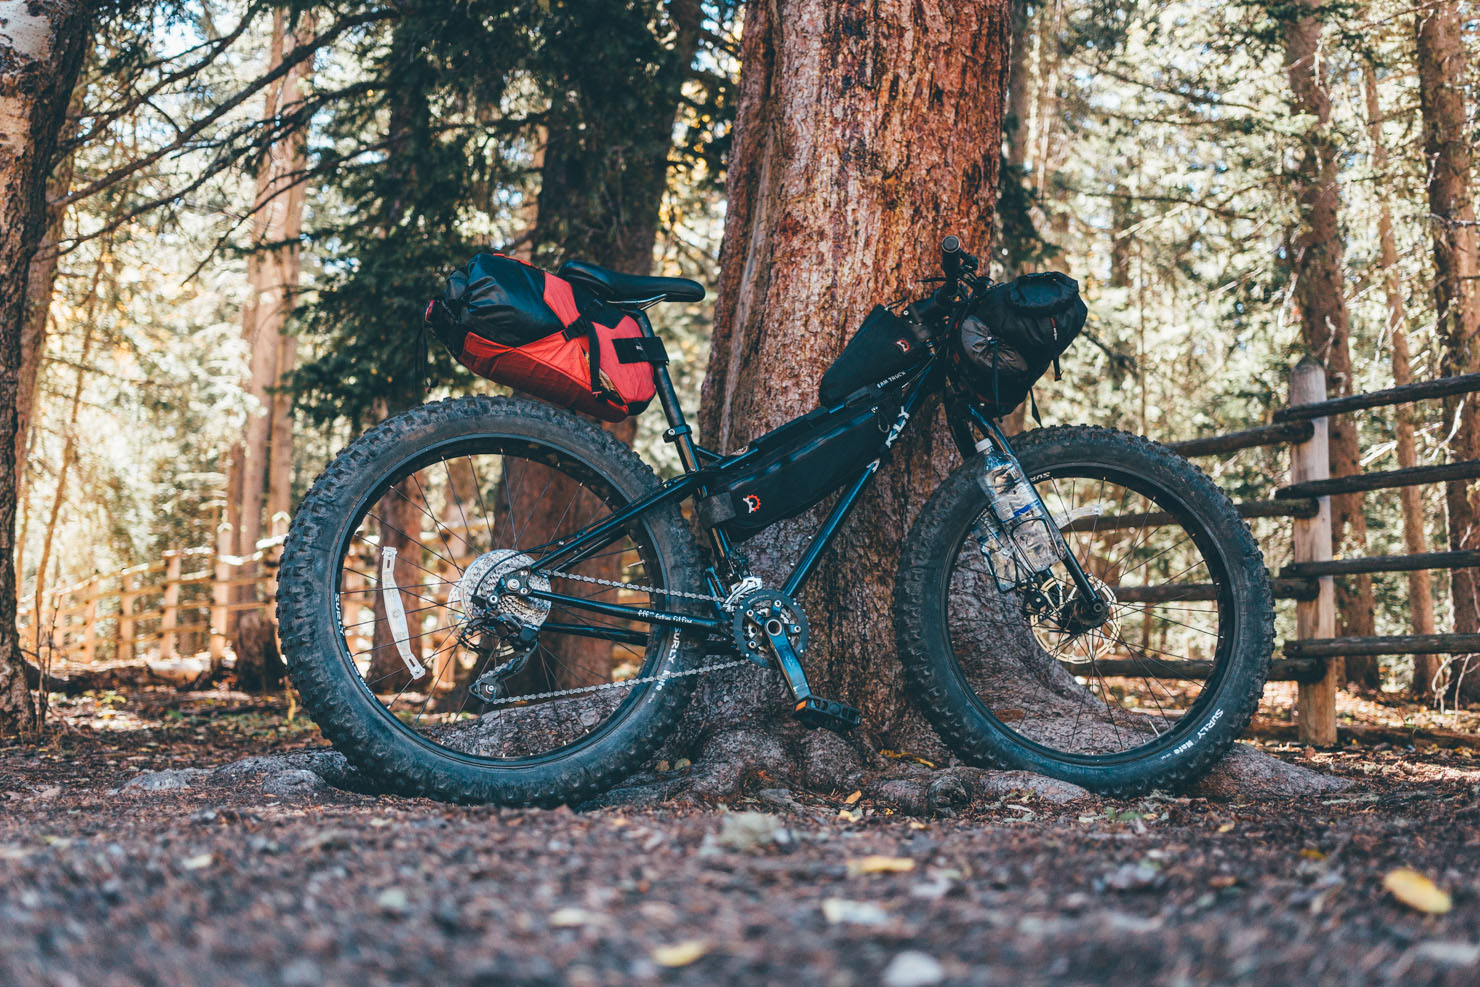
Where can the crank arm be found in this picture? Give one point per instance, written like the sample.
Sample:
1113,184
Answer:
791,665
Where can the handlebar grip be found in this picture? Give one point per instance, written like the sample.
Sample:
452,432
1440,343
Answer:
950,256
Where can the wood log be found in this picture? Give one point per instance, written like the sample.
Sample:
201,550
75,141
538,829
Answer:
1382,563
1368,734
1401,644
1263,435
1314,618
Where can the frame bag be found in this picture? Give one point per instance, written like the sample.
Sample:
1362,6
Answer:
1015,332
883,346
799,464
518,325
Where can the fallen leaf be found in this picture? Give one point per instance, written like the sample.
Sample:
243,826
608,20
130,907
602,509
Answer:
1226,828
1416,891
852,799
849,815
682,763
907,756
1222,881
1310,853
681,953
876,864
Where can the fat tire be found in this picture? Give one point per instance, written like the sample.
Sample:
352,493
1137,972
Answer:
332,689
937,686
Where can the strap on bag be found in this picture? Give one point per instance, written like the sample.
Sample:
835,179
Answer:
583,326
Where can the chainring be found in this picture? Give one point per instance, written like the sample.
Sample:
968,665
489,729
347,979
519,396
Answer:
754,611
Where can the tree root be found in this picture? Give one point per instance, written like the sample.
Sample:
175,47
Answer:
1247,772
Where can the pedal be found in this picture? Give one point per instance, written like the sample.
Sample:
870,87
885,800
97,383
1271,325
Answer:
828,714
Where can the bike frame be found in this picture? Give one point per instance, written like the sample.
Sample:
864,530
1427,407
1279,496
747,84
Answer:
702,466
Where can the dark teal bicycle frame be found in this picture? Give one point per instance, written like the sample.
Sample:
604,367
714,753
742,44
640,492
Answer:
702,467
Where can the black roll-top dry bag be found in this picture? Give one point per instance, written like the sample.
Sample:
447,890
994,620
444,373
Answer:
1015,332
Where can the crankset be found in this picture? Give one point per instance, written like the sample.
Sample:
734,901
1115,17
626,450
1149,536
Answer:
771,626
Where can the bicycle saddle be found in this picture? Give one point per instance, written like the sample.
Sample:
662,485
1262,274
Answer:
614,286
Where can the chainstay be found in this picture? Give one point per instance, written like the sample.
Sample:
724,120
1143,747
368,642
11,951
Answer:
630,586
626,683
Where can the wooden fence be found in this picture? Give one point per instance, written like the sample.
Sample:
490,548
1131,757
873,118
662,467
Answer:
184,604
1312,658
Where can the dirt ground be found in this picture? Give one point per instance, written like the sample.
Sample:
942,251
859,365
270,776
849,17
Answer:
260,873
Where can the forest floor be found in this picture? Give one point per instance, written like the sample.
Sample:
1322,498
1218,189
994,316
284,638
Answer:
111,874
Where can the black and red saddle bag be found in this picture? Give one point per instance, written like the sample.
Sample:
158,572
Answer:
515,324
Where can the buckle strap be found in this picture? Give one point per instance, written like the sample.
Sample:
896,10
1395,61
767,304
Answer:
640,349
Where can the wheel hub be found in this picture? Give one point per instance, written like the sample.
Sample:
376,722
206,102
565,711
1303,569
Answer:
1061,609
495,587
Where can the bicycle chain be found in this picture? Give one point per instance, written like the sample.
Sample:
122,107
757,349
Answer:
646,680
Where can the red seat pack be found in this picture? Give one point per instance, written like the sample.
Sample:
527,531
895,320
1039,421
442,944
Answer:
515,324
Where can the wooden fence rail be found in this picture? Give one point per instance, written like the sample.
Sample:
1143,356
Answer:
181,605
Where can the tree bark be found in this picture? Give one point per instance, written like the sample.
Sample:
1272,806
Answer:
1320,286
41,48
1427,669
262,465
1442,80
864,134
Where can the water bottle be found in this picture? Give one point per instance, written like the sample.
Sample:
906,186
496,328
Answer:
1023,517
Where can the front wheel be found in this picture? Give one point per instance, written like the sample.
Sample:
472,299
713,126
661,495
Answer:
1152,697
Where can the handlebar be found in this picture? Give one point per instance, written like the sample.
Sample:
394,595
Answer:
954,262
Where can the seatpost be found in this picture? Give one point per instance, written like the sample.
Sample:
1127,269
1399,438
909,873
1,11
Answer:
679,432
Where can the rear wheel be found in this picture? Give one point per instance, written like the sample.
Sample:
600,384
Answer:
390,620
1150,698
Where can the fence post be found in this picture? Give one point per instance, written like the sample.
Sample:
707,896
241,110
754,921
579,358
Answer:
220,594
171,613
90,623
1311,460
124,641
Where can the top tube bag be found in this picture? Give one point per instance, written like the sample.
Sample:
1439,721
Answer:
515,324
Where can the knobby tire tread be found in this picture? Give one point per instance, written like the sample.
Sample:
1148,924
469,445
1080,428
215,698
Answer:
332,693
931,679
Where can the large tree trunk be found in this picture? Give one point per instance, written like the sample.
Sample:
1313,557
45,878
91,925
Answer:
1320,291
1442,80
1427,669
864,134
263,462
41,48
272,273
